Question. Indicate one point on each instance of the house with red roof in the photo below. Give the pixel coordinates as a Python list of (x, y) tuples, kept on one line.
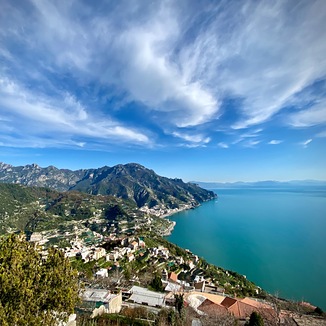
[(173, 277)]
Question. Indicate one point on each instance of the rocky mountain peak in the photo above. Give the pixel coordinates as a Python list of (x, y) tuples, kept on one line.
[(4, 166), (130, 181)]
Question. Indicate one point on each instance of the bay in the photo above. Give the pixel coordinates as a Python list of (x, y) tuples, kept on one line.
[(277, 238)]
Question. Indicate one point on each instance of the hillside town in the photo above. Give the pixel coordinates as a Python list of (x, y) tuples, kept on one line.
[(123, 270)]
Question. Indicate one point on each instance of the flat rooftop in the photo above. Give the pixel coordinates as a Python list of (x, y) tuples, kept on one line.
[(96, 295), (144, 296)]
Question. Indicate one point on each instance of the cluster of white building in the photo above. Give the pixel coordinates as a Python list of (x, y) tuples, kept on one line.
[(162, 211), (88, 253)]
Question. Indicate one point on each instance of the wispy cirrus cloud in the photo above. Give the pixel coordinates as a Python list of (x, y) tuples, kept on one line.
[(249, 137), (261, 57), (321, 134), (275, 142), (306, 143), (223, 145), (175, 63), (42, 121), (315, 115), (135, 56), (192, 138), (251, 143)]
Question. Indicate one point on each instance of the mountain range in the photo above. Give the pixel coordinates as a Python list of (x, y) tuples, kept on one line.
[(130, 181)]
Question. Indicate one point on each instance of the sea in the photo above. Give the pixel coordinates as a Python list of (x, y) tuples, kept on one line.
[(276, 237)]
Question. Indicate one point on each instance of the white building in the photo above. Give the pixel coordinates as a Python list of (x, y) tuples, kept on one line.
[(103, 272), (143, 296), (112, 302)]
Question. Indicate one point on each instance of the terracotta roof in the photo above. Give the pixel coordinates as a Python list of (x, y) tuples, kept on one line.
[(264, 309), (217, 304), (173, 277), (255, 303), (228, 302), (212, 297), (237, 308), (209, 307)]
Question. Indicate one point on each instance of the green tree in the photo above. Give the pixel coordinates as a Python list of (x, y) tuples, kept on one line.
[(127, 273), (156, 283), (178, 302), (319, 311), (33, 291), (114, 212), (256, 319)]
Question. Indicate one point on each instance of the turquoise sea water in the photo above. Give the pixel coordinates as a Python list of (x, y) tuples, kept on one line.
[(276, 238)]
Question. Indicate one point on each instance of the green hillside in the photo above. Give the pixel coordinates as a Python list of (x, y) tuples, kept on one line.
[(30, 209)]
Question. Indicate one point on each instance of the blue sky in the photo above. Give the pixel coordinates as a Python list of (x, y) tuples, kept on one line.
[(202, 90)]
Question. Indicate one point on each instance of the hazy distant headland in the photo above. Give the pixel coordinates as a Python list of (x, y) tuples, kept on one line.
[(293, 184)]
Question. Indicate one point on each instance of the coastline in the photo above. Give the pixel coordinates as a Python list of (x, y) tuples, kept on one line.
[(177, 210), (169, 230), (171, 212), (174, 211), (172, 224)]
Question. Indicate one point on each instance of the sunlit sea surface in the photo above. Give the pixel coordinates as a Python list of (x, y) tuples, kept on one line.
[(277, 238)]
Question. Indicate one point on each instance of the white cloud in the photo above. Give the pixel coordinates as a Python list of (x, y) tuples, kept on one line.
[(321, 134), (248, 135), (252, 134), (34, 115), (193, 138), (2, 118), (275, 142), (154, 79), (193, 145), (264, 56), (251, 143), (306, 143), (136, 55), (223, 145), (313, 116), (282, 63), (179, 60)]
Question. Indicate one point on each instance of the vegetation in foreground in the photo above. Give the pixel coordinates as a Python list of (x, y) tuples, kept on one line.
[(34, 290)]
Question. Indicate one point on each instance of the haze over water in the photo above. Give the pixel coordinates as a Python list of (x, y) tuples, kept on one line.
[(277, 238)]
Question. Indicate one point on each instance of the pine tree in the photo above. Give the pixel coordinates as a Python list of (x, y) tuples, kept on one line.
[(156, 283), (34, 291), (179, 302), (256, 319)]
